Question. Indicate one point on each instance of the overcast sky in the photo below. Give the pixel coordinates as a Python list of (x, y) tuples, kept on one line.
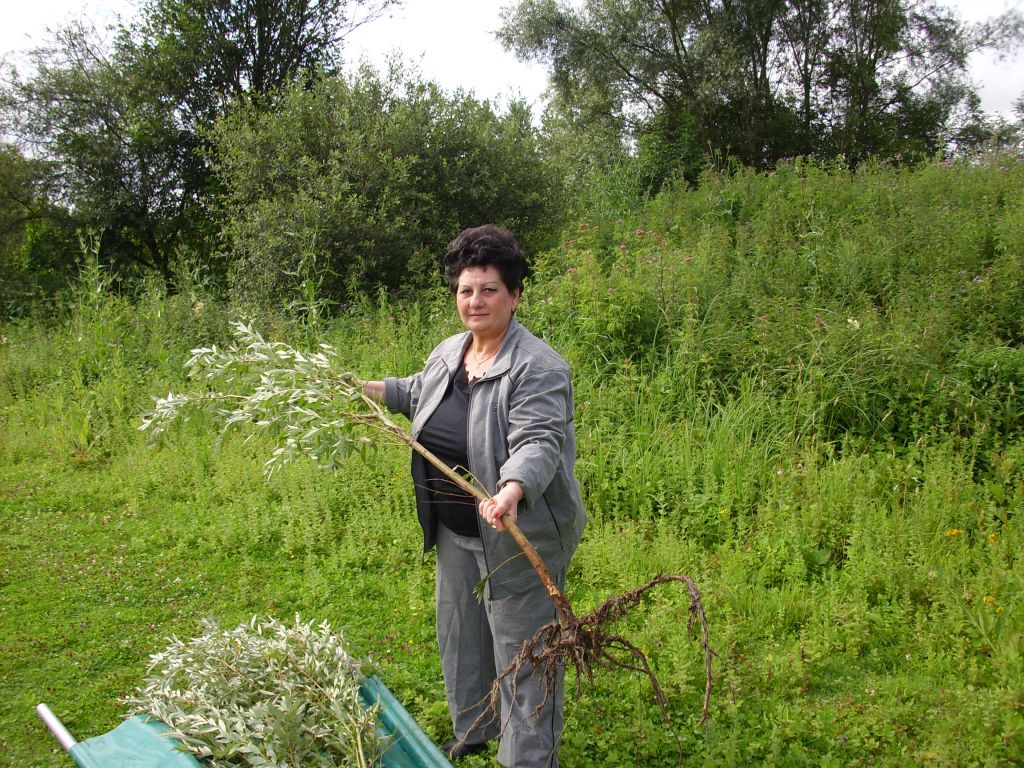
[(451, 42)]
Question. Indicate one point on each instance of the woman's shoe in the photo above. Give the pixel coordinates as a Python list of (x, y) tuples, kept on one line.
[(454, 748)]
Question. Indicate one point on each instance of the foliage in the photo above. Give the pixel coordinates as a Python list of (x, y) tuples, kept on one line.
[(119, 156), (121, 124), (20, 200), (760, 81), (207, 54), (861, 572), (357, 181), (877, 304), (37, 242), (316, 410), (264, 693)]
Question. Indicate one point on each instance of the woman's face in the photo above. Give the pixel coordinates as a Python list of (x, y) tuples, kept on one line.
[(485, 303)]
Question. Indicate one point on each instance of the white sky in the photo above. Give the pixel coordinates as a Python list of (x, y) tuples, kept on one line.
[(451, 42)]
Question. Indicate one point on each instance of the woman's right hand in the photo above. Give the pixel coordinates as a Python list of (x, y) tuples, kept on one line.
[(504, 502), (374, 389)]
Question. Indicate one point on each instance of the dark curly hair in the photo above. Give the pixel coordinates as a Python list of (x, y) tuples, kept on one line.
[(485, 246)]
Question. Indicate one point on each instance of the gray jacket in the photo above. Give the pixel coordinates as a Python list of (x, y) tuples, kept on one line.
[(520, 428)]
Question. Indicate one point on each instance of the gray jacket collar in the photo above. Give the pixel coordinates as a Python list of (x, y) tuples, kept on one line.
[(502, 361)]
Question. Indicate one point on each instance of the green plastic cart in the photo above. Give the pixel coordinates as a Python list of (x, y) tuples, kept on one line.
[(142, 742)]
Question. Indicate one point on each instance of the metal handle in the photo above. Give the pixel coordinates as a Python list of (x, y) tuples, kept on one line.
[(63, 735)]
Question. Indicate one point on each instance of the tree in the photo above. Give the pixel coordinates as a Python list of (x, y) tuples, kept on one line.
[(37, 240), (363, 180), (124, 124), (208, 54), (806, 32), (699, 63), (21, 201), (118, 157), (893, 76), (763, 79)]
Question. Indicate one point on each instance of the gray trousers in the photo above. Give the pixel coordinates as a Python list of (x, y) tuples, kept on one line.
[(479, 641)]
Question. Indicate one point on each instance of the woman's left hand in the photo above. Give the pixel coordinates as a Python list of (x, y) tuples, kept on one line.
[(504, 502)]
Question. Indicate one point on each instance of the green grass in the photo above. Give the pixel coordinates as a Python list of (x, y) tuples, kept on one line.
[(847, 495)]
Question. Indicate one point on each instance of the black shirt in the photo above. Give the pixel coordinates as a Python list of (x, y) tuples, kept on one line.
[(444, 435)]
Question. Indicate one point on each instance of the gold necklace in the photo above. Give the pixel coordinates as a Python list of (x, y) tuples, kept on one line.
[(481, 360)]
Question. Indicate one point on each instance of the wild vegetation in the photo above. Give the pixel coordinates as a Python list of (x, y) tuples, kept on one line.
[(780, 245), (236, 137), (801, 388)]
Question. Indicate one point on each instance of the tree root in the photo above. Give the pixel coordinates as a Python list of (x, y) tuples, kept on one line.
[(589, 642)]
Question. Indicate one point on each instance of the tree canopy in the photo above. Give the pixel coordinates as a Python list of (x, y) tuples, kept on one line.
[(124, 124), (353, 181), (763, 79)]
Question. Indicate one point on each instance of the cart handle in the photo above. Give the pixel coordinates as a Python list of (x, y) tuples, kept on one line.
[(63, 735)]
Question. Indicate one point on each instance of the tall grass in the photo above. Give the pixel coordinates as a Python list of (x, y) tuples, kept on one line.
[(883, 303), (801, 389)]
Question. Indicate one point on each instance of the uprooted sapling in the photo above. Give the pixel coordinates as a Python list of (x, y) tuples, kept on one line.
[(324, 414), (581, 642)]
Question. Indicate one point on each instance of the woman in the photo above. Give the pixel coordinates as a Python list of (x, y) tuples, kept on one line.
[(497, 402)]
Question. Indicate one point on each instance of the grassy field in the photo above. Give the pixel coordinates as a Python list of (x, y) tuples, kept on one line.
[(802, 390)]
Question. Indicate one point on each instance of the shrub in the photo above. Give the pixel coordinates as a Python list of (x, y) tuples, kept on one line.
[(354, 182)]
